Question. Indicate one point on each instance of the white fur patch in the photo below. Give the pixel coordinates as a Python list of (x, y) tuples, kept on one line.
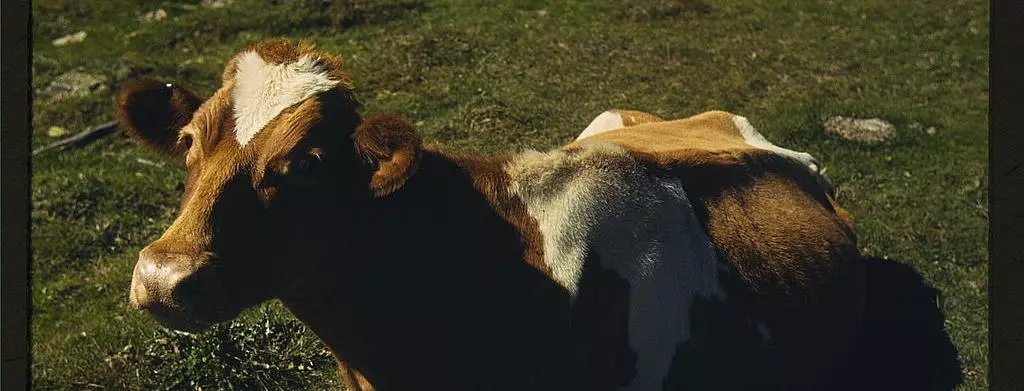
[(601, 201), (602, 123), (756, 140), (262, 90)]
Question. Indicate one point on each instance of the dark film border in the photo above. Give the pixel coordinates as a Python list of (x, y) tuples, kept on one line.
[(15, 113), (1006, 194)]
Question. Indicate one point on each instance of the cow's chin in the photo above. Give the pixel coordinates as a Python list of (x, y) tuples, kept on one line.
[(180, 323), (179, 320)]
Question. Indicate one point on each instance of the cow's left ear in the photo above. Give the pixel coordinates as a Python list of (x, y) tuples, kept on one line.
[(152, 112), (392, 145)]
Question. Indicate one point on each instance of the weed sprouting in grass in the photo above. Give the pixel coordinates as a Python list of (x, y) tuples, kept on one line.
[(262, 354)]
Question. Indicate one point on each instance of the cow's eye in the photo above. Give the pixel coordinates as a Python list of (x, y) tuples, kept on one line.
[(185, 146), (185, 141)]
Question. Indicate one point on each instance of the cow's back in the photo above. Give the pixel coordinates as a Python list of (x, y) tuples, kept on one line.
[(793, 272)]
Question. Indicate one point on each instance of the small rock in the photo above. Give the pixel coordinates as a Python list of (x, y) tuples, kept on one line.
[(57, 131), (153, 16), (215, 3), (869, 131), (74, 84), (930, 131), (70, 39)]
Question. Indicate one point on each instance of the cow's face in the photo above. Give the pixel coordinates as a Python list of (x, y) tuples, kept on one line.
[(275, 157)]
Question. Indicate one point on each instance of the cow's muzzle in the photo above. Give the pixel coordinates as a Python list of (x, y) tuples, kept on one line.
[(181, 291)]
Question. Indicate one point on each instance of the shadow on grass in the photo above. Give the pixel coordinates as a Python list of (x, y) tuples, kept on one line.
[(904, 345)]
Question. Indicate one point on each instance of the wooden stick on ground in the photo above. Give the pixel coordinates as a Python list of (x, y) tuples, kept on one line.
[(82, 138)]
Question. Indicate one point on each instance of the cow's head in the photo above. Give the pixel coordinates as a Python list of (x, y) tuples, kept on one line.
[(274, 158)]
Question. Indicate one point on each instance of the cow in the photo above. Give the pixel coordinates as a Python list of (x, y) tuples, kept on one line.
[(647, 254)]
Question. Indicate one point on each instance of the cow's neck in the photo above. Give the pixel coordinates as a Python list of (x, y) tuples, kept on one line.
[(438, 270), (453, 207)]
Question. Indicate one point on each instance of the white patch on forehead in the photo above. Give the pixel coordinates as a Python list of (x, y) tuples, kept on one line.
[(754, 139), (262, 90), (600, 201), (604, 122)]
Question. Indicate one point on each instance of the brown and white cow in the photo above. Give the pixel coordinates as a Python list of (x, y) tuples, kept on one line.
[(687, 254)]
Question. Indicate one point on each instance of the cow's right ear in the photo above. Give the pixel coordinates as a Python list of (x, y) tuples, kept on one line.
[(152, 112), (391, 145)]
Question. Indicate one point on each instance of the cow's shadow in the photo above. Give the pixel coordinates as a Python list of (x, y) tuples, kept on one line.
[(903, 344)]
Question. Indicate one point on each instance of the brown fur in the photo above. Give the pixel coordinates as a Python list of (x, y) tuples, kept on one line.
[(390, 143), (492, 181), (708, 138), (796, 259), (351, 379)]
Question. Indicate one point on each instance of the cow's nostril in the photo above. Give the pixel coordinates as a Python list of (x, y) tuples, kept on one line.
[(193, 290), (157, 275)]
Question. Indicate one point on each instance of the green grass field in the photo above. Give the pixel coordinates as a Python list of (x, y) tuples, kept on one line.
[(525, 74)]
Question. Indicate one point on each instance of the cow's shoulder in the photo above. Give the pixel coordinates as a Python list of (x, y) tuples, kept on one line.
[(603, 210)]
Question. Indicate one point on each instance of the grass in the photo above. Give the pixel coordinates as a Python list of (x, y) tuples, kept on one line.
[(523, 74)]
